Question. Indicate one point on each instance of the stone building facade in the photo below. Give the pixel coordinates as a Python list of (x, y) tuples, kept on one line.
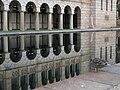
[(30, 61)]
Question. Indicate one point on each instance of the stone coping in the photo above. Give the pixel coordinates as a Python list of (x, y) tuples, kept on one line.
[(54, 31)]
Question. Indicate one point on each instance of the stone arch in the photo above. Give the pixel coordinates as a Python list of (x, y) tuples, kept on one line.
[(57, 7), (30, 16), (77, 18), (66, 17), (14, 15), (67, 9), (46, 7)]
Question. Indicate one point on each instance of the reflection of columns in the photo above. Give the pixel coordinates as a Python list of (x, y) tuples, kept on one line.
[(50, 21), (5, 20), (71, 38), (61, 21), (37, 21), (22, 21), (71, 21), (22, 43), (61, 39), (37, 41), (50, 40), (5, 44)]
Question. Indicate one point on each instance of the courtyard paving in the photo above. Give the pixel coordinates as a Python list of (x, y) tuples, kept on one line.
[(108, 78)]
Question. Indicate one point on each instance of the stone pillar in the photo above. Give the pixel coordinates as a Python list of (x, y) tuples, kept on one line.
[(50, 21), (37, 21), (71, 21), (22, 22), (5, 20), (61, 21)]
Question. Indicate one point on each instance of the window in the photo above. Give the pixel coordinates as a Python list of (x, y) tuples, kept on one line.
[(110, 52), (106, 5), (111, 4), (101, 53), (101, 4)]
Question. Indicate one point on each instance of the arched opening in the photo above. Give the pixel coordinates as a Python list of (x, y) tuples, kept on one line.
[(77, 69), (2, 55), (44, 78), (56, 15), (51, 75), (14, 15), (77, 18), (77, 41), (1, 15), (66, 17), (14, 48), (66, 43), (56, 44), (57, 74), (24, 82), (44, 45), (30, 16), (30, 47), (32, 81), (44, 16), (72, 70)]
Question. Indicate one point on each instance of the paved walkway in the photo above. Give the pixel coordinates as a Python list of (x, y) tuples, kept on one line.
[(108, 78)]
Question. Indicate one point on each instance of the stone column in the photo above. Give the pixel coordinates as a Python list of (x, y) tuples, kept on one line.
[(71, 21), (61, 21), (22, 22), (37, 21), (50, 21), (5, 20)]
